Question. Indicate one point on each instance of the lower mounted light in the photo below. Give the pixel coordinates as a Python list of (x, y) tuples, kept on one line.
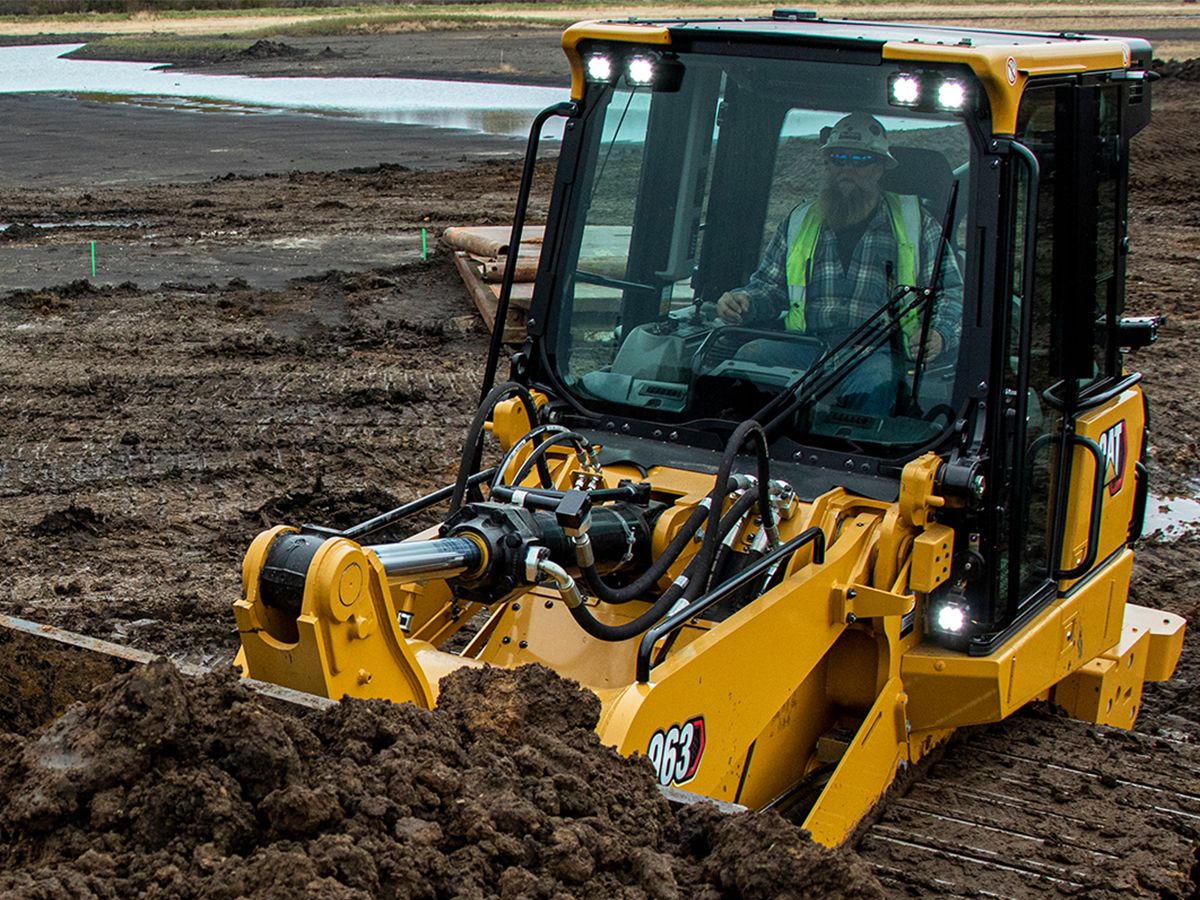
[(950, 618)]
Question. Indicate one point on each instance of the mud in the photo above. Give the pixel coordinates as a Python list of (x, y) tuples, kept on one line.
[(161, 414), (1064, 810), (503, 790)]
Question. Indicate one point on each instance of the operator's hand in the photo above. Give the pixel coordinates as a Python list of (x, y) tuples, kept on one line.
[(934, 344), (731, 305)]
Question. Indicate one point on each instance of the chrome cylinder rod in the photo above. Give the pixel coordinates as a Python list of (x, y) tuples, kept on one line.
[(443, 557)]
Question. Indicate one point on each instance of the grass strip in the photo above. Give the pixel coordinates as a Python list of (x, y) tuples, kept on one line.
[(160, 48)]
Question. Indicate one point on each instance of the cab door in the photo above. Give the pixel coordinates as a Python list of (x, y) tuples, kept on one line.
[(1069, 421)]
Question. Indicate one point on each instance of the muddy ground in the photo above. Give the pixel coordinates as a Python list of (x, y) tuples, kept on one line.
[(159, 415)]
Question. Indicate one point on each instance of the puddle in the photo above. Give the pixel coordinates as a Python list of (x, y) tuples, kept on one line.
[(1170, 518), (494, 109)]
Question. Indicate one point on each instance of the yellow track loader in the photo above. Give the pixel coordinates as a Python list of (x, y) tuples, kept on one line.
[(790, 557)]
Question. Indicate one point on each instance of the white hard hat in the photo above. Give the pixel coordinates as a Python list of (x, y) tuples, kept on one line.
[(862, 132)]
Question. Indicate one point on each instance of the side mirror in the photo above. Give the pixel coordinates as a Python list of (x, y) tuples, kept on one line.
[(1135, 332)]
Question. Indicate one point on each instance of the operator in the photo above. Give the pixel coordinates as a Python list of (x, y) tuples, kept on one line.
[(836, 260)]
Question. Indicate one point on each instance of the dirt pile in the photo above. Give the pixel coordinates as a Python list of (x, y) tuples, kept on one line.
[(264, 49), (1184, 70), (165, 786)]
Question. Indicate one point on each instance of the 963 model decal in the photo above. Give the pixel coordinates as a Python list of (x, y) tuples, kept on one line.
[(675, 752)]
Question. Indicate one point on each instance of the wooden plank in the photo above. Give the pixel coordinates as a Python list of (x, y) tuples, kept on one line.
[(486, 300), (44, 669)]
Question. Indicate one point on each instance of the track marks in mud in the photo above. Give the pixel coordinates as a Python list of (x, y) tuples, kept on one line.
[(1048, 805), (175, 416)]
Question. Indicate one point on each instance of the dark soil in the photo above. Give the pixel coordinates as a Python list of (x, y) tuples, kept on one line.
[(503, 790), (1184, 70)]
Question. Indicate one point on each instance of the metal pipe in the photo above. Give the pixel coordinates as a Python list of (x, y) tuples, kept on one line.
[(370, 526), (443, 557), (514, 241), (562, 580)]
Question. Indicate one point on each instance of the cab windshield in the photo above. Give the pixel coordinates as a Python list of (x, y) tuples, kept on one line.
[(750, 231)]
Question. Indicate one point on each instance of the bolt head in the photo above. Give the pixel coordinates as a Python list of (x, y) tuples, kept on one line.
[(978, 485)]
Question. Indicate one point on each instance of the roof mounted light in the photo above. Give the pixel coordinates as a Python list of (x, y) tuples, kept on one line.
[(952, 94), (904, 89), (599, 68), (928, 91), (640, 70)]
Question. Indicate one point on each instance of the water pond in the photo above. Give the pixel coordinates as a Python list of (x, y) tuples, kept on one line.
[(495, 109)]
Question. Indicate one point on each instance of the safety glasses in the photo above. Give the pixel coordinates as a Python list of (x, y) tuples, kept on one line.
[(857, 160)]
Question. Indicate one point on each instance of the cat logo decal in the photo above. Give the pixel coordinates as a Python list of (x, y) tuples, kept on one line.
[(1113, 448)]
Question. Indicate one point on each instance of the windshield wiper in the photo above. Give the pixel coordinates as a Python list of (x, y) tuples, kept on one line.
[(944, 247), (862, 342)]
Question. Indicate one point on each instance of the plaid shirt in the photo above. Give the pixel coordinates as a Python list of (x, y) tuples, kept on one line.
[(839, 300)]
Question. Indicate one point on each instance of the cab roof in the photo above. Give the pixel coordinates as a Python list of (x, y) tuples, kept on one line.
[(1002, 60), (803, 27)]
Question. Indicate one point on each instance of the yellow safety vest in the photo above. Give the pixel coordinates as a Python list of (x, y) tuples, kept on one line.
[(804, 227)]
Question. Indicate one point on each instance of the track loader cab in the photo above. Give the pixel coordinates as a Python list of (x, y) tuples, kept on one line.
[(795, 538), (693, 143)]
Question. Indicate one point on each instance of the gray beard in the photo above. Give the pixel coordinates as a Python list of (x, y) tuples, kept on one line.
[(845, 204)]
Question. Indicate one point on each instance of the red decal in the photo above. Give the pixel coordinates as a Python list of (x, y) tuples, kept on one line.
[(675, 752)]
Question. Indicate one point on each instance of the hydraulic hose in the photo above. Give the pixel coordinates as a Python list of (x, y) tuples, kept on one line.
[(685, 586), (716, 501), (601, 589), (758, 436), (707, 554), (538, 455), (724, 553), (584, 618), (533, 434), (682, 587), (736, 513), (473, 445)]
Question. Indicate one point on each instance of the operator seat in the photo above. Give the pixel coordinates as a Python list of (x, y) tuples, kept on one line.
[(922, 172)]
